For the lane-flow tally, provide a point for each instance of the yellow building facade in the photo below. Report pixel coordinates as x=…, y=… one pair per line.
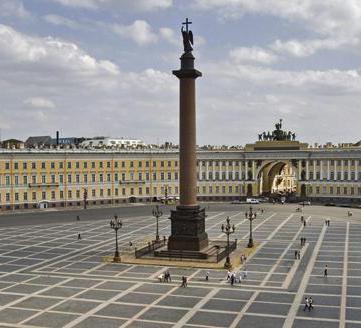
x=64, y=178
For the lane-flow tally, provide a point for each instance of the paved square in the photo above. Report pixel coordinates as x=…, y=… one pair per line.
x=48, y=278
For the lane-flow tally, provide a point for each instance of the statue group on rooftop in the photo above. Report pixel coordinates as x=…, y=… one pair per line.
x=278, y=134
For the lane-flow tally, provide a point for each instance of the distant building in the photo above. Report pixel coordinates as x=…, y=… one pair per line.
x=38, y=141
x=107, y=142
x=12, y=144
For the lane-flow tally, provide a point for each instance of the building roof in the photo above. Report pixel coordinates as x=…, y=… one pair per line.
x=39, y=140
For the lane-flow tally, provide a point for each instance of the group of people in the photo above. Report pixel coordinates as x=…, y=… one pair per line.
x=327, y=222
x=303, y=241
x=303, y=220
x=165, y=277
x=308, y=304
x=243, y=258
x=234, y=277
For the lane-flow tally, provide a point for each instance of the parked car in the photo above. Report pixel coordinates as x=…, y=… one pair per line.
x=252, y=201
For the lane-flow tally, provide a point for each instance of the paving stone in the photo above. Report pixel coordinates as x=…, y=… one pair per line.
x=217, y=319
x=14, y=315
x=224, y=305
x=138, y=298
x=251, y=321
x=52, y=320
x=299, y=323
x=75, y=306
x=36, y=302
x=163, y=314
x=119, y=310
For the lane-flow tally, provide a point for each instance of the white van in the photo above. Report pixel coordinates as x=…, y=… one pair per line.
x=252, y=201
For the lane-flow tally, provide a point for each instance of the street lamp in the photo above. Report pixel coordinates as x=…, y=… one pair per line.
x=250, y=216
x=157, y=213
x=166, y=194
x=228, y=229
x=116, y=224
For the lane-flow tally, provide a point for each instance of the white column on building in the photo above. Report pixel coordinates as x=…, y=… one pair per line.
x=253, y=170
x=349, y=169
x=220, y=170
x=321, y=169
x=213, y=170
x=200, y=163
x=335, y=170
x=342, y=170
x=328, y=170
x=307, y=170
x=299, y=170
x=233, y=170
x=314, y=169
x=207, y=170
x=356, y=169
x=240, y=170
x=246, y=169
x=227, y=170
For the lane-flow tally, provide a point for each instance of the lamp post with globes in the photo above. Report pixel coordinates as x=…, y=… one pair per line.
x=228, y=229
x=250, y=216
x=157, y=213
x=116, y=224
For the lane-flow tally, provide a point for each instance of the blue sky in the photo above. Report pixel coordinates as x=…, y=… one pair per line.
x=103, y=67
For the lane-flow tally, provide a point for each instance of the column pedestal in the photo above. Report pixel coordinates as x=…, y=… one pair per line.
x=188, y=229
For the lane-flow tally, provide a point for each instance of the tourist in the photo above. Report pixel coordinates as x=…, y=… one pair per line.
x=161, y=277
x=325, y=272
x=298, y=255
x=207, y=275
x=310, y=301
x=232, y=278
x=228, y=275
x=304, y=223
x=245, y=274
x=78, y=218
x=79, y=236
x=307, y=304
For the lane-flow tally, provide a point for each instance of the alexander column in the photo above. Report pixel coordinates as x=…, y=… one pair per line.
x=188, y=220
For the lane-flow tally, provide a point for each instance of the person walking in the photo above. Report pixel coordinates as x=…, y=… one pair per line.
x=207, y=275
x=79, y=236
x=232, y=278
x=184, y=282
x=298, y=255
x=307, y=304
x=78, y=218
x=310, y=301
x=325, y=272
x=228, y=275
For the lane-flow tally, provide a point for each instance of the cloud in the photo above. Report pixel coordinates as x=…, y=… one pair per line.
x=13, y=8
x=39, y=102
x=141, y=5
x=61, y=21
x=337, y=22
x=252, y=55
x=140, y=32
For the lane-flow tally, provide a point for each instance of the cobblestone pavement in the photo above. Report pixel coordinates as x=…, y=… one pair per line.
x=48, y=278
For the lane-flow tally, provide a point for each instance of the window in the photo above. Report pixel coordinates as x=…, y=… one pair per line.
x=33, y=165
x=154, y=176
x=61, y=165
x=61, y=178
x=210, y=189
x=169, y=176
x=123, y=191
x=116, y=191
x=345, y=190
x=176, y=176
x=230, y=189
x=85, y=178
x=43, y=166
x=176, y=163
x=25, y=166
x=108, y=192
x=331, y=190
x=69, y=178
x=317, y=190
x=53, y=194
x=52, y=165
x=85, y=165
x=162, y=175
x=108, y=165
x=131, y=164
x=101, y=192
x=43, y=195
x=123, y=164
x=16, y=196
x=16, y=178
x=93, y=165
x=223, y=189
x=345, y=176
x=16, y=166
x=78, y=194
x=34, y=195
x=7, y=197
x=61, y=194
x=116, y=177
x=154, y=164
x=147, y=190
x=43, y=179
x=100, y=177
x=69, y=194
x=7, y=180
x=25, y=179
x=25, y=196
x=123, y=176
x=338, y=190
x=7, y=166
x=140, y=164
x=217, y=189
x=332, y=175
x=108, y=177
x=169, y=163
x=147, y=164
x=116, y=164
x=162, y=164
x=93, y=177
x=132, y=191
x=77, y=178
x=204, y=189
x=352, y=190
x=77, y=165
x=140, y=176
x=69, y=165
x=100, y=165
x=93, y=193
x=147, y=176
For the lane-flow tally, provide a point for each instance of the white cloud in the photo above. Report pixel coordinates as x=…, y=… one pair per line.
x=169, y=35
x=39, y=102
x=13, y=8
x=61, y=21
x=141, y=5
x=140, y=32
x=252, y=55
